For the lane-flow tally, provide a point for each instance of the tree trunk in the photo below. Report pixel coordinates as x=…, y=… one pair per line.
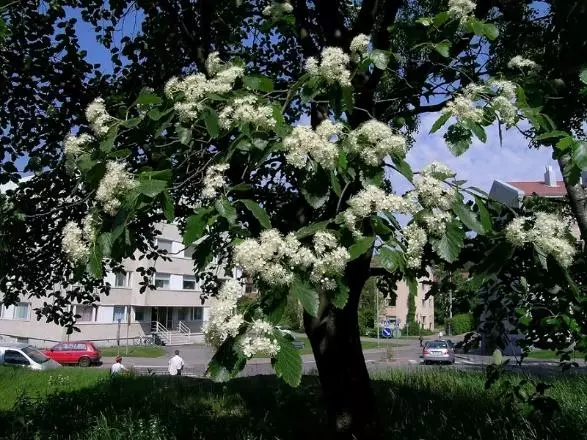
x=577, y=196
x=336, y=343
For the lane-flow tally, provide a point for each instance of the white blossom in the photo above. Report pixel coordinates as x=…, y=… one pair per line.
x=214, y=64
x=74, y=145
x=437, y=170
x=521, y=63
x=548, y=233
x=247, y=110
x=90, y=227
x=508, y=112
x=460, y=9
x=360, y=44
x=224, y=321
x=463, y=109
x=473, y=90
x=324, y=241
x=252, y=345
x=303, y=143
x=435, y=222
x=332, y=67
x=214, y=180
x=432, y=193
x=504, y=87
x=416, y=240
x=114, y=186
x=98, y=117
x=277, y=8
x=74, y=246
x=374, y=140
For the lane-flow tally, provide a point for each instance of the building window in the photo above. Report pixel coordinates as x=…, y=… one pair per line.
x=188, y=252
x=85, y=312
x=21, y=311
x=118, y=315
x=139, y=313
x=197, y=313
x=164, y=245
x=162, y=280
x=189, y=282
x=122, y=279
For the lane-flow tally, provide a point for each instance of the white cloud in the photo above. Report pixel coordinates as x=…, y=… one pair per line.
x=483, y=162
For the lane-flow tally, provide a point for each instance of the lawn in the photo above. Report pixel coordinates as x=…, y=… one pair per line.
x=134, y=351
x=367, y=345
x=422, y=404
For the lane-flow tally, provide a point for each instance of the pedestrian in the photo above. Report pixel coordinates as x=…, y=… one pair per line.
x=440, y=335
x=421, y=341
x=176, y=364
x=117, y=367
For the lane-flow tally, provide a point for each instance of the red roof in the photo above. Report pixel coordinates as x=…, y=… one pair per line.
x=541, y=189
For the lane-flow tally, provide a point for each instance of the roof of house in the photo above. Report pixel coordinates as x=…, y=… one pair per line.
x=540, y=188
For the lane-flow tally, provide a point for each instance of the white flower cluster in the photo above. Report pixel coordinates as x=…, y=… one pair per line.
x=360, y=44
x=303, y=142
x=416, y=240
x=224, y=321
x=435, y=222
x=247, y=110
x=277, y=9
x=460, y=9
x=214, y=180
x=258, y=340
x=196, y=87
x=273, y=258
x=504, y=102
x=372, y=199
x=375, y=140
x=98, y=117
x=114, y=186
x=76, y=242
x=521, y=63
x=332, y=66
x=549, y=233
x=430, y=188
x=73, y=145
x=464, y=108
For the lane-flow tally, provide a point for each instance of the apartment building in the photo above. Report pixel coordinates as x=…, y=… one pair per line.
x=174, y=310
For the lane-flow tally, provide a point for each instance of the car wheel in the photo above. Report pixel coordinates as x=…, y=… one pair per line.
x=84, y=362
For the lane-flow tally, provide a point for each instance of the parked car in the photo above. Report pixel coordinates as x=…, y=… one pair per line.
x=25, y=355
x=440, y=351
x=82, y=353
x=295, y=341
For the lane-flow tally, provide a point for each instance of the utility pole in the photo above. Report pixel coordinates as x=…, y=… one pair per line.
x=377, y=315
x=450, y=310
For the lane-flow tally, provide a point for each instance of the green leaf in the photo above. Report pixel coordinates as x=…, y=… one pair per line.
x=108, y=142
x=147, y=97
x=441, y=18
x=380, y=58
x=440, y=122
x=196, y=225
x=468, y=217
x=315, y=200
x=556, y=134
x=490, y=31
x=391, y=260
x=211, y=121
x=348, y=99
x=168, y=207
x=404, y=168
x=94, y=266
x=583, y=76
x=183, y=134
x=449, y=246
x=105, y=241
x=203, y=251
x=340, y=296
x=484, y=215
x=459, y=147
x=258, y=82
x=564, y=144
x=259, y=213
x=360, y=247
x=131, y=123
x=580, y=155
x=443, y=48
x=424, y=21
x=479, y=132
x=227, y=362
x=287, y=363
x=309, y=230
x=151, y=187
x=307, y=295
x=226, y=210
x=335, y=184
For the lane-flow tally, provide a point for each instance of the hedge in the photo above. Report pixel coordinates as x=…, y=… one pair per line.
x=462, y=323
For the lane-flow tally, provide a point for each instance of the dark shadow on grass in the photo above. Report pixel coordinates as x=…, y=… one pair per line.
x=262, y=408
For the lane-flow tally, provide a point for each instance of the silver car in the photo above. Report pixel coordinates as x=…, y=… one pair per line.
x=25, y=355
x=440, y=351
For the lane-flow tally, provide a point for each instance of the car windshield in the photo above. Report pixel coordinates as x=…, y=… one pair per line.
x=35, y=355
x=437, y=344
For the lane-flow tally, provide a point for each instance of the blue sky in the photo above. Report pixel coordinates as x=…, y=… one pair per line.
x=483, y=163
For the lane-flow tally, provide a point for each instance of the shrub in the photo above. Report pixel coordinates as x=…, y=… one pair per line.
x=415, y=329
x=462, y=323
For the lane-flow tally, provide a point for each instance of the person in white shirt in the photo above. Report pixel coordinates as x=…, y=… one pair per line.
x=176, y=364
x=117, y=367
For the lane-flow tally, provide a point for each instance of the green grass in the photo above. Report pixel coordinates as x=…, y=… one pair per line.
x=134, y=351
x=543, y=354
x=423, y=404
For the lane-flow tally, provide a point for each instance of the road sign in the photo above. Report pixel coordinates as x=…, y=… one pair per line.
x=386, y=332
x=384, y=323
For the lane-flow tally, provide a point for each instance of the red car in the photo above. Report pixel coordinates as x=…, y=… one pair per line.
x=82, y=353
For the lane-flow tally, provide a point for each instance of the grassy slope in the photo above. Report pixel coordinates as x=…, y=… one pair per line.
x=429, y=404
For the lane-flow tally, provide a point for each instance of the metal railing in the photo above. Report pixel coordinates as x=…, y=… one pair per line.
x=183, y=328
x=162, y=331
